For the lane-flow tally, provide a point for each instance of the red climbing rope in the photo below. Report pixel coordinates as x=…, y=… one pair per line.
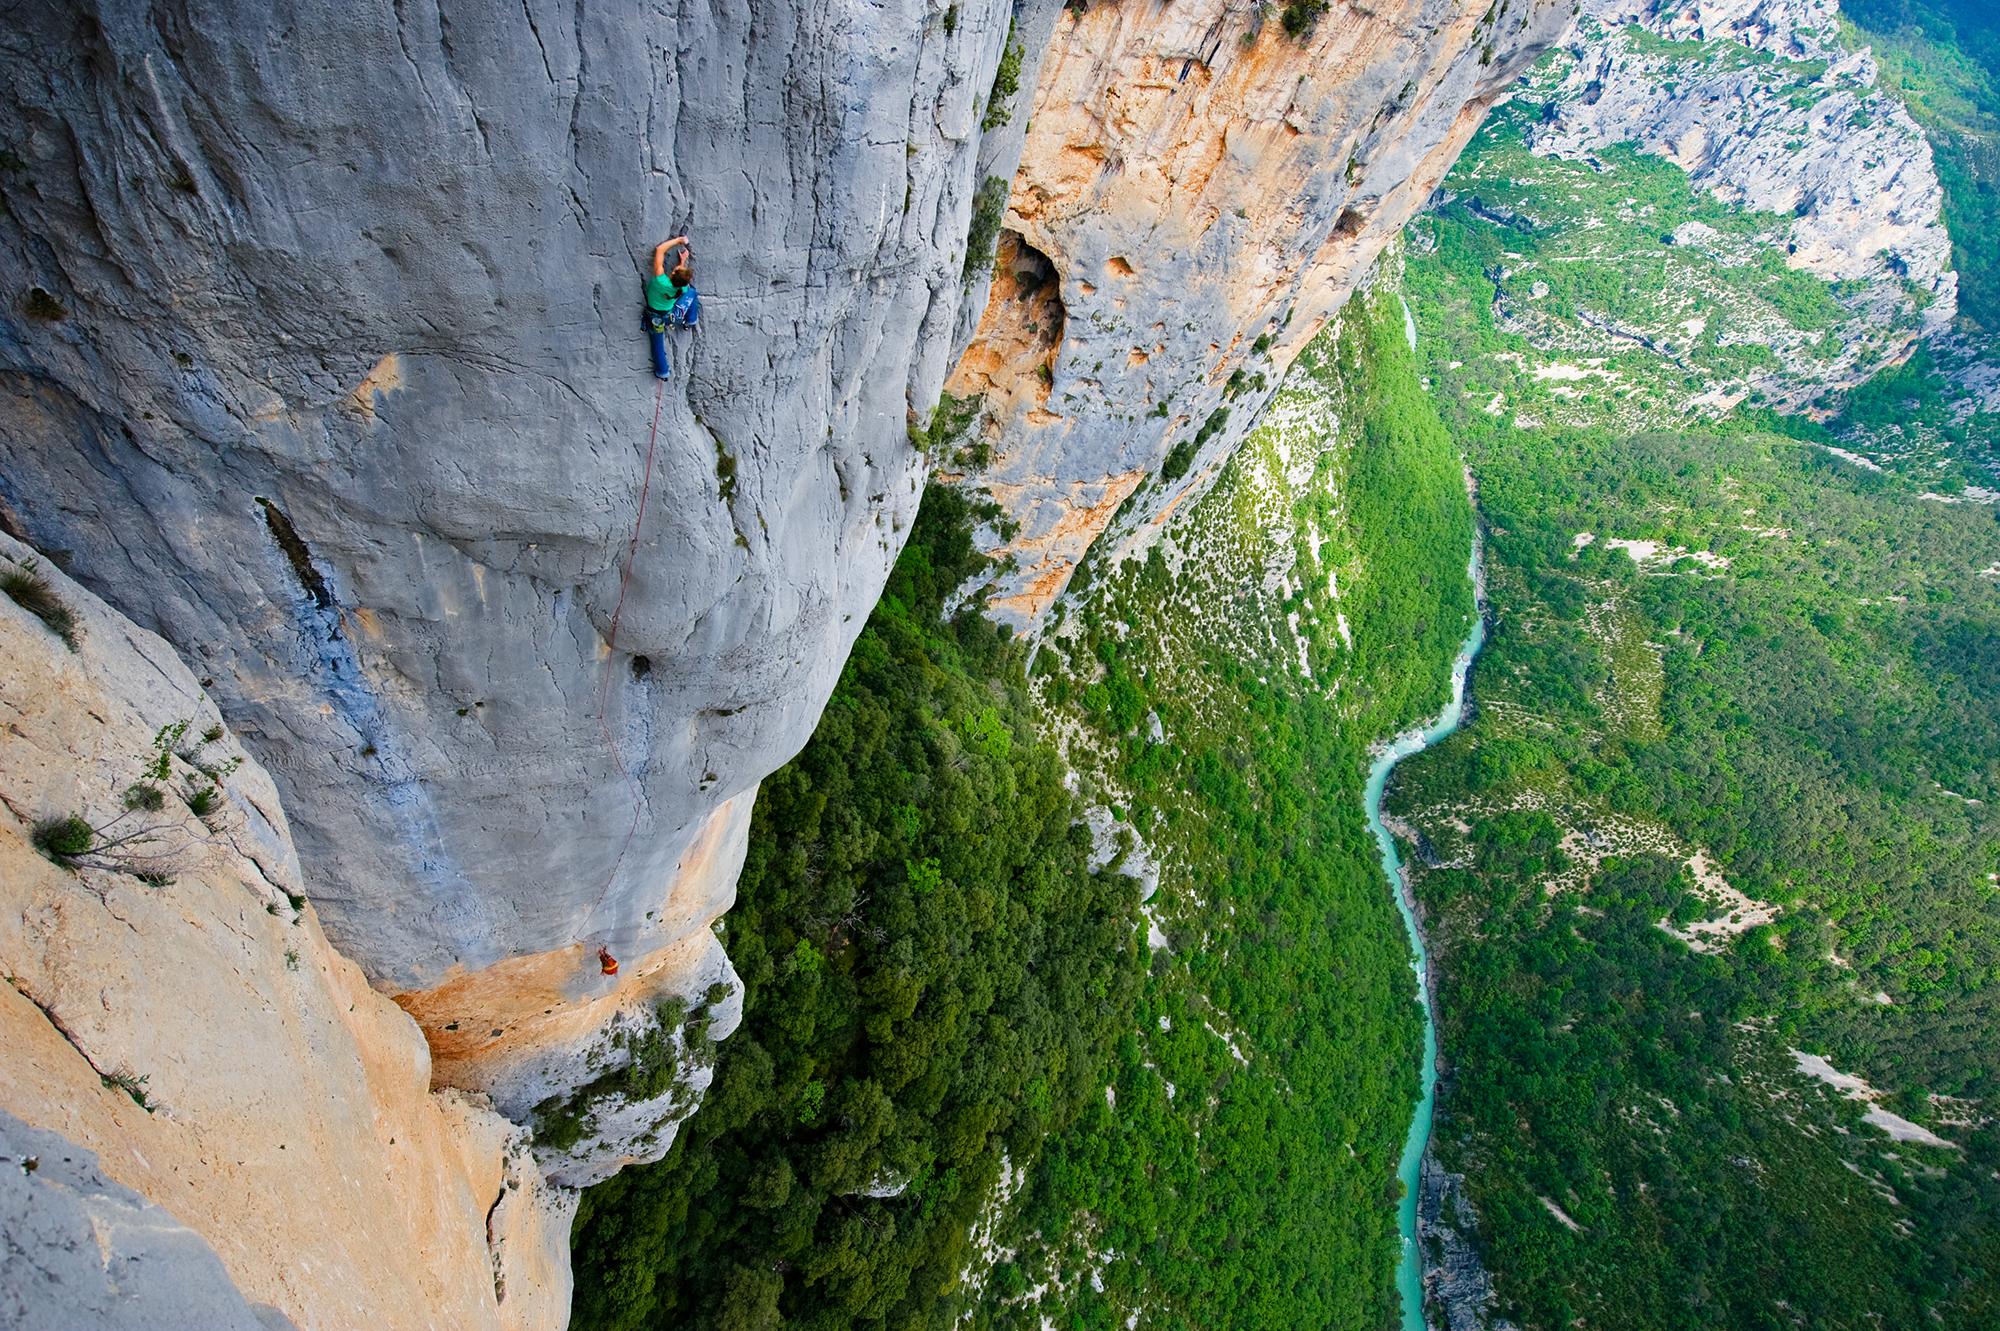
x=632, y=550
x=611, y=653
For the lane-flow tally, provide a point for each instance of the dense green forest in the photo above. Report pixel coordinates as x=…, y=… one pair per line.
x=934, y=980
x=1310, y=604
x=1727, y=795
x=972, y=1087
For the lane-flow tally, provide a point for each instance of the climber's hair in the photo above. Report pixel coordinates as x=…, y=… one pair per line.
x=683, y=275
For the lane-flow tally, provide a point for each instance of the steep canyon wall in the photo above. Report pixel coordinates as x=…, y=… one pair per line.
x=1199, y=192
x=322, y=361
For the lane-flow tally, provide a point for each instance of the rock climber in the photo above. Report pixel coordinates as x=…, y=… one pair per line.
x=671, y=300
x=606, y=962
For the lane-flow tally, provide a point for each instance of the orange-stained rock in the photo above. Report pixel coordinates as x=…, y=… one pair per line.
x=292, y=1122
x=537, y=1028
x=1208, y=191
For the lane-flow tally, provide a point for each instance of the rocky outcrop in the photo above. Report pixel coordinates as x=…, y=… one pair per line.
x=172, y=1009
x=1198, y=193
x=1759, y=103
x=1458, y=1289
x=321, y=358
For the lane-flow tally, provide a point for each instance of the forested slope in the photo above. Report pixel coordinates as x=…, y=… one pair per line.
x=1728, y=795
x=973, y=1086
x=933, y=981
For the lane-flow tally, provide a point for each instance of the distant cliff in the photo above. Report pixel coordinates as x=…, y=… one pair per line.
x=1762, y=106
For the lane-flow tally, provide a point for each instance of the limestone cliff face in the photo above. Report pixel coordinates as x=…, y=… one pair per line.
x=1198, y=192
x=322, y=358
x=1761, y=105
x=172, y=1007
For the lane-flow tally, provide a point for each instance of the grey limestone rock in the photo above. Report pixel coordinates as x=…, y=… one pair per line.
x=322, y=357
x=82, y=1252
x=1794, y=126
x=1458, y=1290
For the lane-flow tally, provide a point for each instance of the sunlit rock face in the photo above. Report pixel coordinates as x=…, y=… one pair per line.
x=1198, y=192
x=207, y=1116
x=323, y=359
x=1761, y=105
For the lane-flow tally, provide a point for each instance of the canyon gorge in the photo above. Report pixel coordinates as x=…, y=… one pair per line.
x=426, y=655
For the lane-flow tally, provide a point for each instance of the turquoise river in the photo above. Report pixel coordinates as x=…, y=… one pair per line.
x=1409, y=1268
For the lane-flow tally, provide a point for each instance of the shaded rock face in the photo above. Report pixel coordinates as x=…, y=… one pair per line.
x=1759, y=103
x=1207, y=190
x=79, y=1249
x=323, y=358
x=172, y=1006
x=1458, y=1290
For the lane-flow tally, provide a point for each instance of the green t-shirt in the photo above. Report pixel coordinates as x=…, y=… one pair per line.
x=661, y=292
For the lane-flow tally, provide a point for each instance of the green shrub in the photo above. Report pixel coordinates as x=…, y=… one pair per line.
x=33, y=593
x=1212, y=426
x=982, y=237
x=1179, y=459
x=949, y=419
x=1006, y=82
x=131, y=1085
x=63, y=839
x=1302, y=16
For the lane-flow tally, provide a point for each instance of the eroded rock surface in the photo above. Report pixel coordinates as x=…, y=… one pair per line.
x=172, y=1007
x=1761, y=105
x=322, y=359
x=1201, y=191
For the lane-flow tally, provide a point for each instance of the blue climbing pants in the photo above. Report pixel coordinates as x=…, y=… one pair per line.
x=686, y=313
x=655, y=324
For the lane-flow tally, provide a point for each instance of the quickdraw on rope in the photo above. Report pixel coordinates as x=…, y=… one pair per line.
x=606, y=962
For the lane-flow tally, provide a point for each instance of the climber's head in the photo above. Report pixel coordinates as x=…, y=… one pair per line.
x=683, y=275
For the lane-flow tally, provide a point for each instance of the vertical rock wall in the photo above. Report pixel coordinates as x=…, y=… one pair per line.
x=321, y=356
x=1199, y=191
x=172, y=1008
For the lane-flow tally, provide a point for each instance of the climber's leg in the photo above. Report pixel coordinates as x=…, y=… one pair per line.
x=660, y=365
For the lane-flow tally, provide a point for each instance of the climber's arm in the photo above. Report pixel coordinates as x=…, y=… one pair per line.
x=660, y=254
